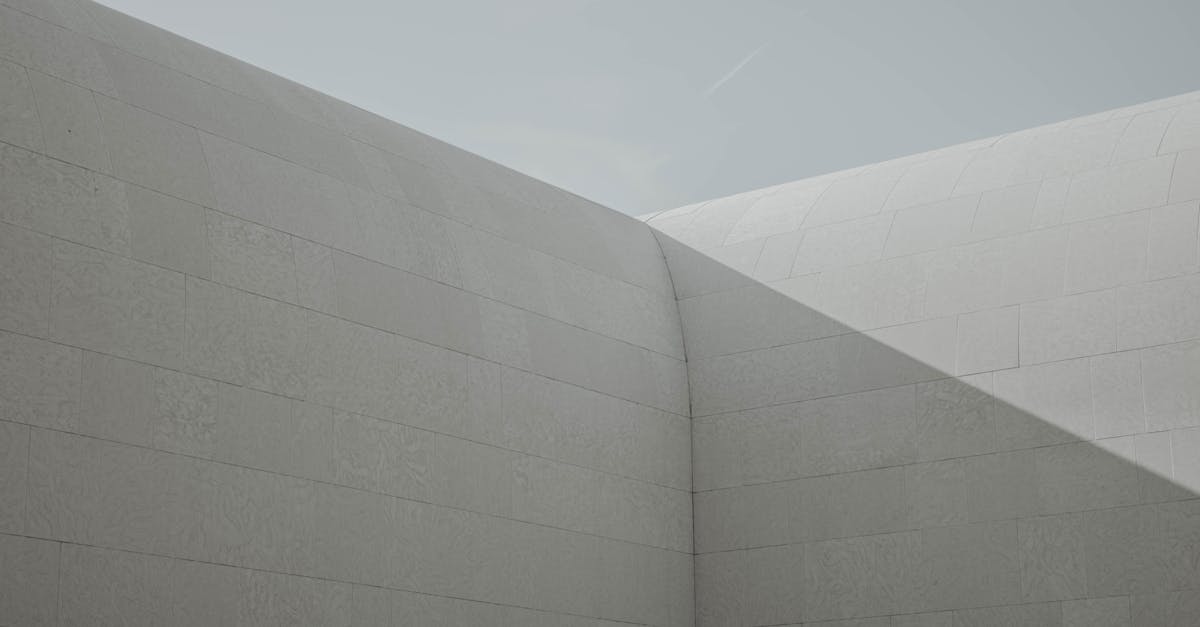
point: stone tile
(187, 414)
(246, 339)
(1051, 202)
(63, 200)
(1033, 266)
(114, 587)
(1086, 475)
(118, 400)
(859, 431)
(381, 456)
(966, 278)
(1002, 486)
(14, 464)
(780, 211)
(856, 504)
(155, 152)
(869, 296)
(1184, 444)
(1005, 211)
(753, 516)
(274, 433)
(855, 197)
(1174, 240)
(1107, 252)
(654, 515)
(1183, 132)
(842, 244)
(759, 586)
(712, 224)
(1165, 609)
(205, 594)
(1158, 312)
(987, 340)
(29, 581)
(749, 318)
(1120, 188)
(1126, 552)
(251, 257)
(906, 353)
(114, 305)
(551, 494)
(931, 227)
(407, 304)
(747, 447)
(70, 123)
(777, 257)
(694, 272)
(168, 232)
(932, 619)
(1036, 615)
(276, 345)
(1143, 136)
(19, 123)
(271, 598)
(53, 50)
(1044, 404)
(147, 81)
(882, 621)
(1182, 522)
(937, 493)
(970, 565)
(1072, 326)
(1082, 145)
(1117, 394)
(1184, 185)
(40, 381)
(1171, 397)
(1156, 470)
(927, 182)
(267, 190)
(867, 576)
(956, 417)
(351, 367)
(100, 493)
(315, 286)
(995, 273)
(214, 333)
(24, 281)
(473, 476)
(1106, 612)
(1052, 558)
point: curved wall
(267, 358)
(959, 388)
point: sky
(644, 105)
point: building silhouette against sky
(269, 359)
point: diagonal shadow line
(805, 427)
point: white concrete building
(269, 359)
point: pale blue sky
(636, 103)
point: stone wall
(959, 388)
(266, 358)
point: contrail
(737, 68)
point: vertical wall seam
(691, 420)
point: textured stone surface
(267, 358)
(988, 354)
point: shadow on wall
(844, 474)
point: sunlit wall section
(959, 388)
